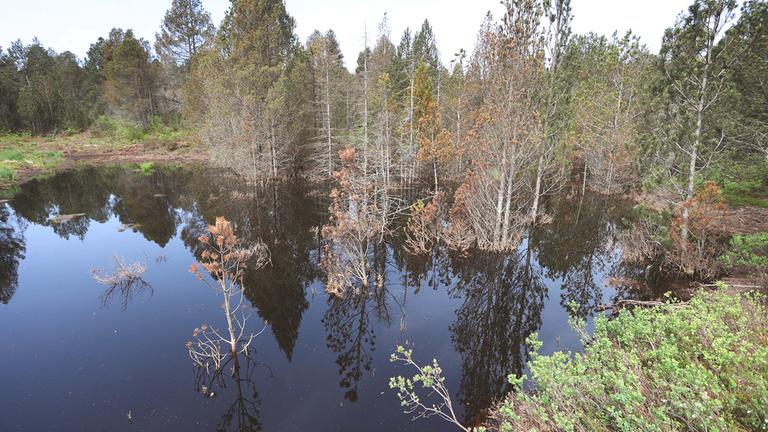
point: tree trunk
(537, 190)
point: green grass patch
(11, 154)
(698, 366)
(7, 174)
(19, 151)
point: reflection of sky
(70, 361)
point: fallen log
(620, 304)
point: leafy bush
(160, 129)
(698, 366)
(147, 167)
(104, 126)
(749, 250)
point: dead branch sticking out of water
(125, 281)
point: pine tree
(186, 29)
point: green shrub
(749, 250)
(147, 167)
(104, 126)
(130, 132)
(744, 181)
(699, 366)
(161, 129)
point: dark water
(76, 359)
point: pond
(78, 357)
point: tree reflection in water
(579, 245)
(503, 299)
(347, 325)
(12, 248)
(235, 378)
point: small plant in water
(124, 282)
(225, 259)
(428, 378)
(147, 167)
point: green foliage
(11, 154)
(744, 180)
(160, 129)
(104, 125)
(749, 250)
(147, 167)
(186, 28)
(109, 127)
(7, 174)
(695, 366)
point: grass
(7, 174)
(698, 366)
(21, 153)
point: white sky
(74, 24)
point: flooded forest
(233, 229)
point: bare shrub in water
(125, 281)
(225, 259)
(355, 221)
(426, 224)
(695, 254)
(429, 381)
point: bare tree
(355, 222)
(327, 70)
(493, 201)
(428, 378)
(225, 260)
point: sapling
(225, 259)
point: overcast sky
(74, 24)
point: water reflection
(481, 306)
(236, 380)
(503, 300)
(12, 248)
(579, 246)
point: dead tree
(225, 259)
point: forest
(470, 157)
